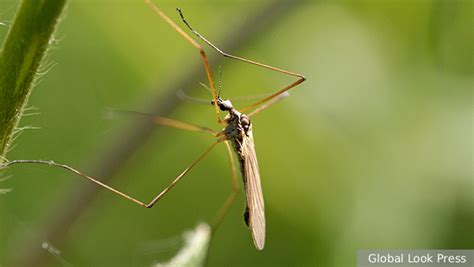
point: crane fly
(236, 135)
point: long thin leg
(181, 125)
(172, 122)
(143, 204)
(300, 77)
(177, 179)
(188, 38)
(269, 103)
(235, 190)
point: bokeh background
(374, 150)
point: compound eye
(222, 107)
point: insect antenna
(219, 86)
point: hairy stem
(24, 49)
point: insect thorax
(238, 125)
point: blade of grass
(24, 49)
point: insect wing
(253, 192)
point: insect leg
(269, 103)
(181, 125)
(188, 38)
(116, 191)
(300, 77)
(235, 190)
(73, 170)
(172, 123)
(181, 175)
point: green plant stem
(24, 49)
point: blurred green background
(374, 150)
